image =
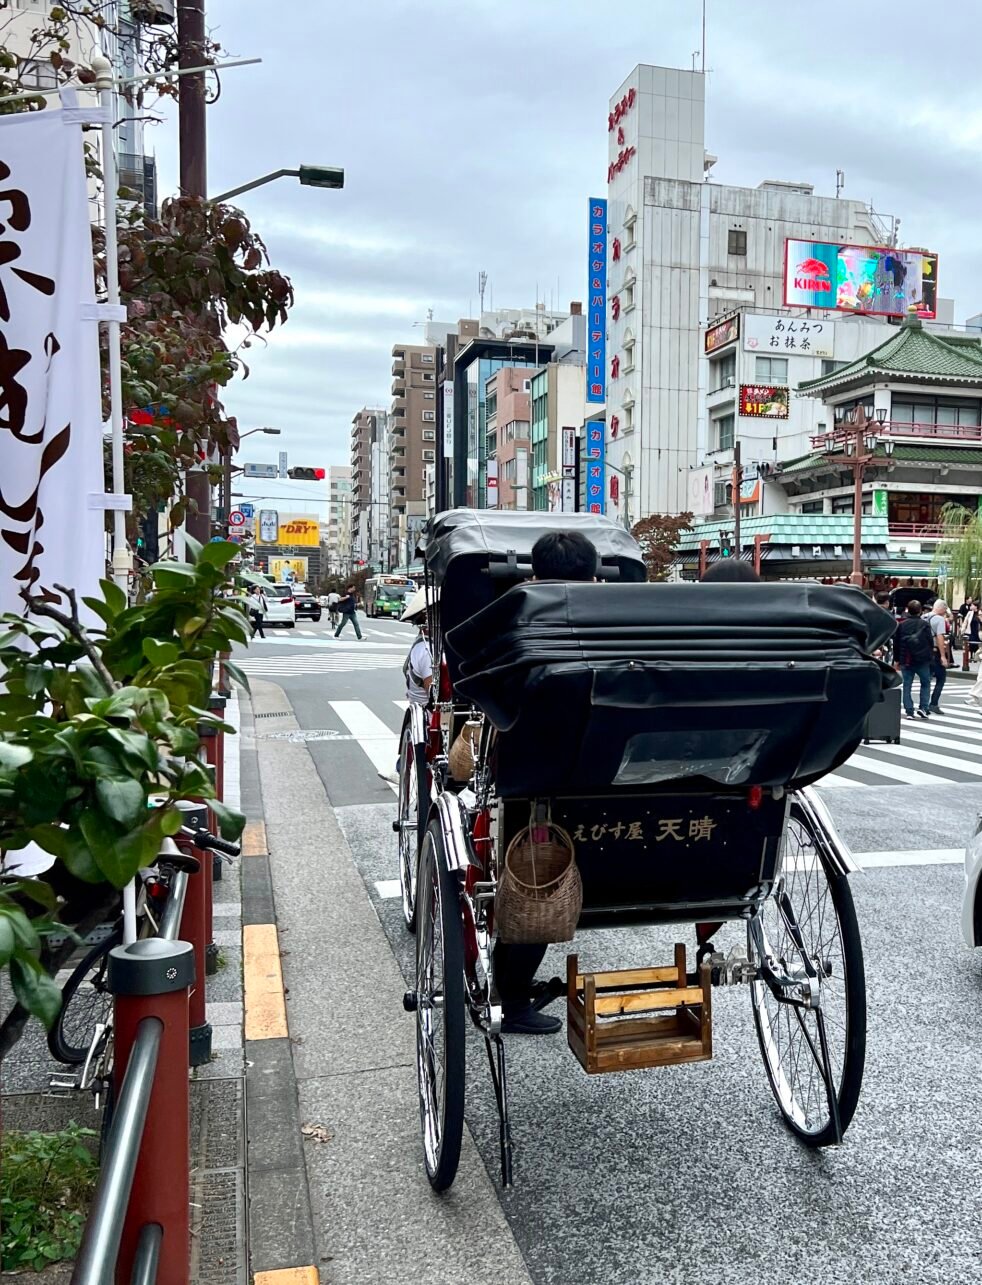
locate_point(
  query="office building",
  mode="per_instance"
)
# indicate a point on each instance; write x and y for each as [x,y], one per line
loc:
[412,444]
[507,405]
[339,528]
[682,250]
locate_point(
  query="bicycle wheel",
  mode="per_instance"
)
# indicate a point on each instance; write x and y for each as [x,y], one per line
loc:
[413,807]
[822,912]
[85,1001]
[439,1013]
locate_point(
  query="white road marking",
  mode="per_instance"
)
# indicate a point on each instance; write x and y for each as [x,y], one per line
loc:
[916,857]
[925,756]
[387,889]
[894,772]
[379,743]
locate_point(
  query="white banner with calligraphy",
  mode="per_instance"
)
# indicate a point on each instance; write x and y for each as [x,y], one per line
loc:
[50,416]
[788,336]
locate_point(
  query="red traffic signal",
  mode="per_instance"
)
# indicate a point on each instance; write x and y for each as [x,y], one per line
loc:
[307,474]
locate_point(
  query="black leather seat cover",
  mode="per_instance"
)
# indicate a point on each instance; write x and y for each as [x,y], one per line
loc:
[592,685]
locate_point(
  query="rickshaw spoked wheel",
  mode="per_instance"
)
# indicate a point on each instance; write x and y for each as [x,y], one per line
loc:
[440,1014]
[821,904]
[413,809]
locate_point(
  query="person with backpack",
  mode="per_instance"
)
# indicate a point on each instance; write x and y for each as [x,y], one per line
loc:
[913,648]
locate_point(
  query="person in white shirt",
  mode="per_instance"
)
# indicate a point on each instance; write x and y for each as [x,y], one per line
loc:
[938,620]
[257,607]
[332,608]
[418,669]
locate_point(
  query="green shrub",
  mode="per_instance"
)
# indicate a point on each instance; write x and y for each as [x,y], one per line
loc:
[46,1183]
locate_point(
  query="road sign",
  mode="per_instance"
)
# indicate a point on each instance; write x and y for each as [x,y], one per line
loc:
[282,472]
[248,509]
[236,518]
[260,470]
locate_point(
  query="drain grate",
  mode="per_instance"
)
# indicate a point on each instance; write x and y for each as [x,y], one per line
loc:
[275,714]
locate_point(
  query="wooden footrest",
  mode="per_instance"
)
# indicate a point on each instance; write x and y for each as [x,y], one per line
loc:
[639,1017]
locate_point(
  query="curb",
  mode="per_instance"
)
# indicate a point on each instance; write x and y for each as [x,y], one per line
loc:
[280,1220]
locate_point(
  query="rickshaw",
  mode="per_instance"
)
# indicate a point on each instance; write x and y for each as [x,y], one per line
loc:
[673,732]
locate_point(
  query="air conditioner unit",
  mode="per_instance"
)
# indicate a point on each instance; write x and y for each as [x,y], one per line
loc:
[729,381]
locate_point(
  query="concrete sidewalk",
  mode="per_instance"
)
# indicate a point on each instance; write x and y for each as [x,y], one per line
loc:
[374,1217]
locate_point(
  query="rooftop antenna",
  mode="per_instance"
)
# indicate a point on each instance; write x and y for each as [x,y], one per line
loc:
[704,37]
[840,182]
[482,283]
[695,55]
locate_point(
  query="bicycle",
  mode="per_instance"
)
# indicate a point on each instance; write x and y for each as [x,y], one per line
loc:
[82,1034]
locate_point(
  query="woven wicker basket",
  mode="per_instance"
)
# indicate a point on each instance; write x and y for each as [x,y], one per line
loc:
[463,753]
[540,892]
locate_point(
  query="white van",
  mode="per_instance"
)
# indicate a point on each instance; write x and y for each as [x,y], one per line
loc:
[282,608]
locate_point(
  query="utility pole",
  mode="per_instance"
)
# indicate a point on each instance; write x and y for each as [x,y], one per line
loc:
[193,144]
[737,482]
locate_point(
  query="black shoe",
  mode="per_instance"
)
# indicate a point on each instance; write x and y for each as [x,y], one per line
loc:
[934,709]
[908,715]
[526,1021]
[543,993]
[922,713]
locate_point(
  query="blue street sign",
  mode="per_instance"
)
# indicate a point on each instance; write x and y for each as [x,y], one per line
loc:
[247,510]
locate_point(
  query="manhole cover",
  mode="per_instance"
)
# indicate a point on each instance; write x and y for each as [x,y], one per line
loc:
[307,734]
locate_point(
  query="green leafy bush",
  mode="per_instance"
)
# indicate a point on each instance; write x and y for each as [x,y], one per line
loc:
[46,1182]
[96,723]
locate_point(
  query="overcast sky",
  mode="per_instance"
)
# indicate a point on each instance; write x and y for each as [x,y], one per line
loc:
[472,135]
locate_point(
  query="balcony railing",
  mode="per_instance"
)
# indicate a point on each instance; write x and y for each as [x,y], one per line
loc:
[894,428]
[917,530]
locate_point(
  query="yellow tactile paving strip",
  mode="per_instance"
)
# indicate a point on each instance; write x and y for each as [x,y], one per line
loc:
[287,1276]
[254,842]
[265,1004]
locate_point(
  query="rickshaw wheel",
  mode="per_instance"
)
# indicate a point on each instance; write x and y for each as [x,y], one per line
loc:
[823,906]
[412,815]
[439,1013]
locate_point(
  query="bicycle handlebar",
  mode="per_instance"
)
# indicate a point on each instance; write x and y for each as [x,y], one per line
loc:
[210,842]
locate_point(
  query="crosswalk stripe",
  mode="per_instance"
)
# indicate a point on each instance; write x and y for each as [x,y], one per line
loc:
[926,756]
[944,732]
[958,747]
[379,743]
[895,773]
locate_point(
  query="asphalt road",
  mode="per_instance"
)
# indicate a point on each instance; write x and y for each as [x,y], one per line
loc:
[687,1174]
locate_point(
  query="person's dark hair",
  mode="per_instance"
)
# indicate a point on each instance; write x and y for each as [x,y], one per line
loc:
[882,599]
[732,571]
[350,589]
[913,607]
[564,555]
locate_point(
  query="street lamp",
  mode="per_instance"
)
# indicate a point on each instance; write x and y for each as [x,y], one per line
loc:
[626,473]
[854,444]
[225,505]
[273,432]
[330,176]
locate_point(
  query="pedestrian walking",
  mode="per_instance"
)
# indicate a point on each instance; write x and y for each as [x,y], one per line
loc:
[970,626]
[885,653]
[914,646]
[257,607]
[940,657]
[348,608]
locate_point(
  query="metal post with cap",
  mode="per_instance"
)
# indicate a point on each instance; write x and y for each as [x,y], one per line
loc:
[196,928]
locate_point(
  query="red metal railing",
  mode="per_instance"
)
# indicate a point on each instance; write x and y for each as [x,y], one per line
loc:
[898,428]
[918,530]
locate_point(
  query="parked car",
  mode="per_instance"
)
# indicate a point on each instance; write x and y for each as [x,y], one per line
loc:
[307,605]
[282,606]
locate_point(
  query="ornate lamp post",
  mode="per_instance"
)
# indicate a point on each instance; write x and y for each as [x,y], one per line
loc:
[853,444]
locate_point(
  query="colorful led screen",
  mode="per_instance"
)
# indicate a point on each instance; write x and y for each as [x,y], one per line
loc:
[872,279]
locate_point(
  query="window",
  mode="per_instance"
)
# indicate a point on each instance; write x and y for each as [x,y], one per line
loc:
[842,504]
[36,74]
[429,434]
[429,416]
[721,494]
[723,429]
[945,412]
[426,358]
[428,396]
[736,242]
[429,455]
[526,385]
[428,376]
[771,370]
[722,373]
[813,506]
[628,355]
[829,366]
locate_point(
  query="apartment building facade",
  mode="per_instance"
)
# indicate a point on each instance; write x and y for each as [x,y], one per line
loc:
[507,411]
[339,524]
[412,444]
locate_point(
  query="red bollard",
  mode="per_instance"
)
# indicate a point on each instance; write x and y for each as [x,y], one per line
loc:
[150,979]
[196,929]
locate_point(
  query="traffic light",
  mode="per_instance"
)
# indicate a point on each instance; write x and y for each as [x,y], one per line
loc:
[307,474]
[725,544]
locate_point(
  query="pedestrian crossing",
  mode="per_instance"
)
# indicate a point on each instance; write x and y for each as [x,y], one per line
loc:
[941,750]
[323,663]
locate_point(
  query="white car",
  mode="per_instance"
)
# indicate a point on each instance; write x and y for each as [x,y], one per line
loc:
[282,608]
[972,903]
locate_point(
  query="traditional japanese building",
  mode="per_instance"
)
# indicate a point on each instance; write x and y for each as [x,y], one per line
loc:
[921,393]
